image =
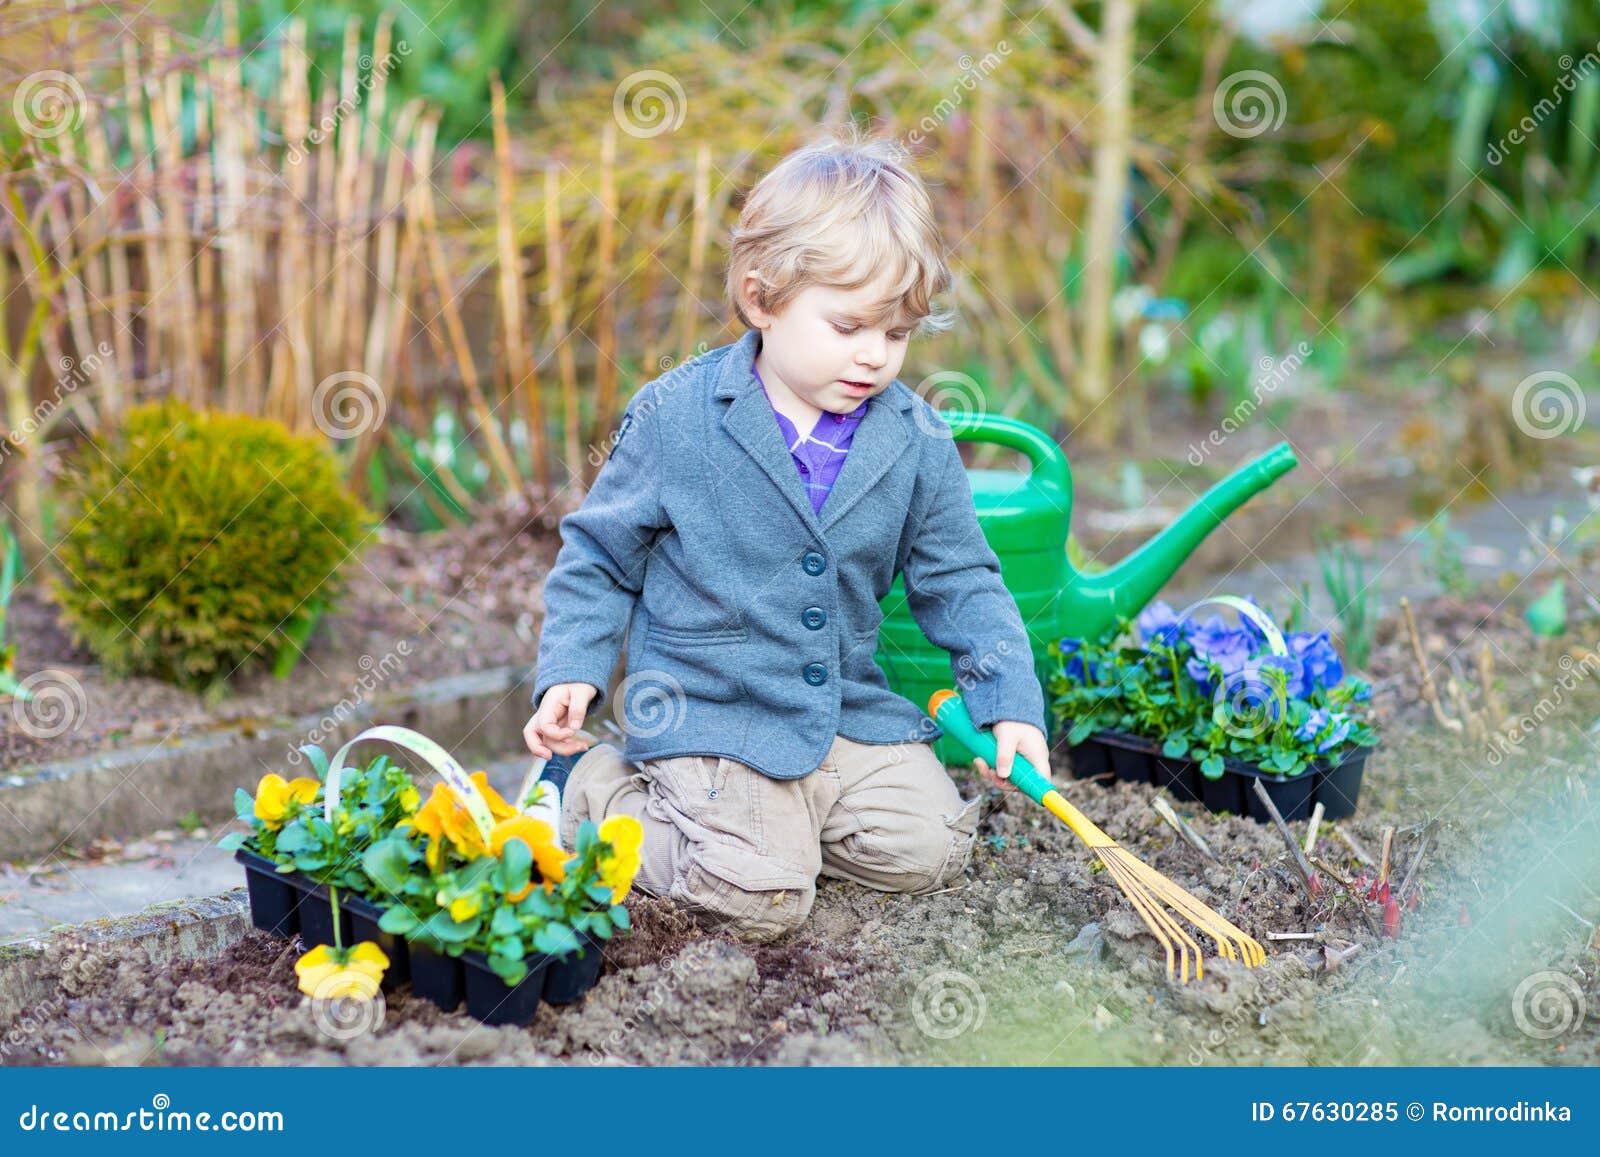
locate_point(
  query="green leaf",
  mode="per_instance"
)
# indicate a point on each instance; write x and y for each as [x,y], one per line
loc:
[513,972]
[399,921]
[504,923]
[1175,747]
[244,805]
[295,838]
[231,842]
[587,834]
[1211,767]
[516,866]
[317,758]
[387,863]
[450,931]
[620,917]
[508,946]
[555,939]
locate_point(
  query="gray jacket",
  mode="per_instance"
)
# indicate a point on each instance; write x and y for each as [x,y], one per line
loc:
[751,621]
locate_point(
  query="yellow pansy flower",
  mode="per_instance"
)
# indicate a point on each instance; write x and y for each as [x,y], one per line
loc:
[499,809]
[621,865]
[443,818]
[548,856]
[410,799]
[276,797]
[325,976]
[464,908]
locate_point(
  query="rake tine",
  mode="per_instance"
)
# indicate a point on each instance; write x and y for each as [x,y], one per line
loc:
[1149,892]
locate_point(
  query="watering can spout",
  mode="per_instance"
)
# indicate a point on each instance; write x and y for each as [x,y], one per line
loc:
[1090,604]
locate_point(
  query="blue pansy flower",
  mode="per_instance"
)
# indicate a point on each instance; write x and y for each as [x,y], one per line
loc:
[1322,668]
[1336,725]
[1072,660]
[1158,622]
[1215,642]
[1251,687]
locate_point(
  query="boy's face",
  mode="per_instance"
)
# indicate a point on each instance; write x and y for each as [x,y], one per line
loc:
[824,351]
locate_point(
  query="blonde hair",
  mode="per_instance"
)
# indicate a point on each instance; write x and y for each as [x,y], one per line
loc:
[839,212]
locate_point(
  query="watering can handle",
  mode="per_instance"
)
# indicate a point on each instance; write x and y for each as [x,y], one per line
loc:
[1048,462]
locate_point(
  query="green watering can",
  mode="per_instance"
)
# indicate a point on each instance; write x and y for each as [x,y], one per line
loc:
[1026,519]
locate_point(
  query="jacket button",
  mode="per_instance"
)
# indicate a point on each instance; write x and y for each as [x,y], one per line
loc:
[814,618]
[816,674]
[813,563]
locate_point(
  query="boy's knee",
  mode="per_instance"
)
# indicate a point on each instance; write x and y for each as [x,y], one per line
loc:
[922,854]
[742,893]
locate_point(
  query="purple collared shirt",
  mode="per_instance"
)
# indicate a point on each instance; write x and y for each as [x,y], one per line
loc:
[819,455]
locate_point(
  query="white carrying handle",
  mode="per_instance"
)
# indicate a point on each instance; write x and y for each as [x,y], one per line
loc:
[1248,611]
[436,757]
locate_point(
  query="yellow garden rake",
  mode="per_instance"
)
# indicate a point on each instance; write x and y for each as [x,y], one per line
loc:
[1151,893]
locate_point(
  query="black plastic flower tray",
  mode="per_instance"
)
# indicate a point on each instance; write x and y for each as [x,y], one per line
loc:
[1134,759]
[364,917]
[316,913]
[572,975]
[289,903]
[436,977]
[492,1000]
[274,899]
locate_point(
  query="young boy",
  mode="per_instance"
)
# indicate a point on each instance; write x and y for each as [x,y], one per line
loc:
[758,502]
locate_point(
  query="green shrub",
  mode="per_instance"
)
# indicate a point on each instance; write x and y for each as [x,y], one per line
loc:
[199,541]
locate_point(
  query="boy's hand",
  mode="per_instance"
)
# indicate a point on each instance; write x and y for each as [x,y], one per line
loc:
[553,730]
[1012,739]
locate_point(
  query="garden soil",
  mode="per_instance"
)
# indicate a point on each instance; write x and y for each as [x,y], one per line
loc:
[1035,957]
